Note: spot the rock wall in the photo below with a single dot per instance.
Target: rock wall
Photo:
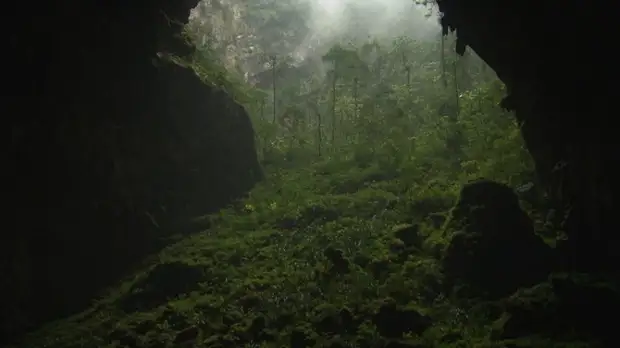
(554, 58)
(111, 150)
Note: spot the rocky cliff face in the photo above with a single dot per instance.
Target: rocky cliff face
(553, 58)
(111, 150)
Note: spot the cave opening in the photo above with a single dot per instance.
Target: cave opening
(345, 144)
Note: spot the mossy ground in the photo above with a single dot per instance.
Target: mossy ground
(311, 258)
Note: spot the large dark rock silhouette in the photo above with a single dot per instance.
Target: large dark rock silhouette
(394, 322)
(575, 306)
(564, 101)
(164, 282)
(111, 149)
(494, 250)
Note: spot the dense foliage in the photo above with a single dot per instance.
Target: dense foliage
(366, 147)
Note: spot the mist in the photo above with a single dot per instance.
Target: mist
(311, 28)
(356, 21)
(382, 19)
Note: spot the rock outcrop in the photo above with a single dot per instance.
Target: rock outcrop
(576, 307)
(554, 61)
(494, 250)
(111, 150)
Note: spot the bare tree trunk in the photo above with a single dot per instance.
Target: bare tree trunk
(334, 105)
(318, 129)
(456, 92)
(355, 101)
(273, 83)
(407, 69)
(408, 76)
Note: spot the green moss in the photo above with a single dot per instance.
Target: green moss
(249, 281)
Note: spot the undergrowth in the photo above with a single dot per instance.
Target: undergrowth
(310, 258)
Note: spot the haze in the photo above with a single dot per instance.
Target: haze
(323, 23)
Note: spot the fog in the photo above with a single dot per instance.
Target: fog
(383, 19)
(344, 21)
(228, 25)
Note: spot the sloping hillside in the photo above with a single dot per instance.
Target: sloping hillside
(326, 255)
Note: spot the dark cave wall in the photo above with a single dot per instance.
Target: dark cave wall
(111, 150)
(553, 57)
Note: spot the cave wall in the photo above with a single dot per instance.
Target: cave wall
(111, 150)
(553, 57)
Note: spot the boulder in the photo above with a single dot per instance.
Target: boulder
(494, 249)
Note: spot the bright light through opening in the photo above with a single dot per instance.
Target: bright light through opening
(330, 6)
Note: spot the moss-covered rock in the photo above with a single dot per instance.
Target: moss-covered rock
(393, 321)
(164, 282)
(565, 306)
(409, 234)
(494, 250)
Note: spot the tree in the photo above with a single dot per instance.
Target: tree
(401, 101)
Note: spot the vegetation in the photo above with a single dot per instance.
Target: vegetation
(344, 244)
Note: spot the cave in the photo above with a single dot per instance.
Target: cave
(113, 151)
(99, 126)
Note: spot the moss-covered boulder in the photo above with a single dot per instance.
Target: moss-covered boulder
(393, 321)
(409, 234)
(493, 249)
(574, 307)
(165, 281)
